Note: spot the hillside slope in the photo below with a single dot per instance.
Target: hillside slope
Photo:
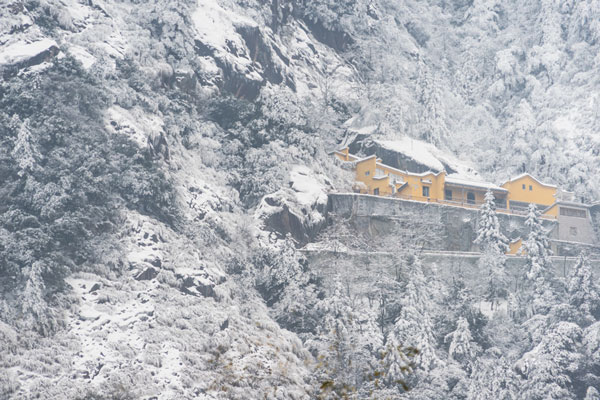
(161, 161)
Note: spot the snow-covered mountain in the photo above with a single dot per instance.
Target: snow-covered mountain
(161, 162)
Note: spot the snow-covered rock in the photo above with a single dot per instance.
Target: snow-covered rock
(299, 210)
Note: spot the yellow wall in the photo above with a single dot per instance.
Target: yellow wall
(345, 155)
(459, 194)
(553, 211)
(415, 183)
(514, 247)
(365, 172)
(540, 194)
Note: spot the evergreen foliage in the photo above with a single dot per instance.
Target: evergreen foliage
(65, 179)
(494, 246)
(583, 293)
(537, 252)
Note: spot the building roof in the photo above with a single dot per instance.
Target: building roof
(359, 160)
(463, 181)
(571, 204)
(516, 178)
(409, 173)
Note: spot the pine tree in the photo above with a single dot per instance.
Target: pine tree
(583, 293)
(336, 345)
(414, 327)
(24, 152)
(488, 231)
(551, 364)
(37, 315)
(462, 347)
(432, 124)
(537, 251)
(397, 364)
(494, 246)
(492, 378)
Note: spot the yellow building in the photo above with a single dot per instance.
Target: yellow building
(383, 180)
(513, 196)
(525, 189)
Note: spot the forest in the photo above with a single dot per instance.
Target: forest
(164, 163)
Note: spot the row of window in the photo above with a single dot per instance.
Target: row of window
(530, 187)
(572, 212)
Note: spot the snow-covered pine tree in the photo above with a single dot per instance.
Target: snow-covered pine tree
(37, 316)
(24, 152)
(336, 345)
(414, 326)
(397, 364)
(488, 231)
(583, 293)
(432, 123)
(537, 252)
(462, 347)
(494, 246)
(492, 378)
(549, 367)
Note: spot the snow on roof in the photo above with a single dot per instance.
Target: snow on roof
(429, 155)
(572, 203)
(516, 178)
(406, 172)
(359, 160)
(379, 177)
(21, 51)
(365, 130)
(417, 150)
(457, 179)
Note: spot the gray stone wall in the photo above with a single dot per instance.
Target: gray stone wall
(362, 269)
(458, 225)
(576, 229)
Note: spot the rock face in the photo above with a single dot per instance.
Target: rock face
(21, 55)
(458, 226)
(363, 144)
(299, 210)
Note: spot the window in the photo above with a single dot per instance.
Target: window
(573, 231)
(470, 197)
(395, 178)
(523, 186)
(572, 212)
(367, 173)
(376, 191)
(448, 194)
(530, 187)
(425, 191)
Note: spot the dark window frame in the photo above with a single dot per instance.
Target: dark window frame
(447, 194)
(470, 198)
(572, 212)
